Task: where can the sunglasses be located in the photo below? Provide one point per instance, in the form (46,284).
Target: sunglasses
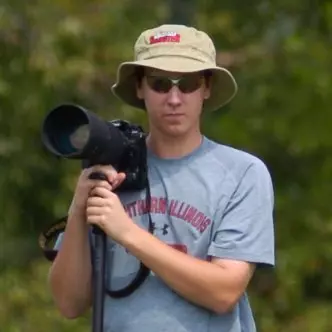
(186,83)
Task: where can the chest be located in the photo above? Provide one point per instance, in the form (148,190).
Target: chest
(184,207)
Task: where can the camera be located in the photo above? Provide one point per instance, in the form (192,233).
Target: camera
(70,131)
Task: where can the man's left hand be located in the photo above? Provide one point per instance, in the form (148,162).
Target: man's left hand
(104,209)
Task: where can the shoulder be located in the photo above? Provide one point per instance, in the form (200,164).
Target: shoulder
(235,163)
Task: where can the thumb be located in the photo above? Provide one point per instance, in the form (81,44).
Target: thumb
(120,177)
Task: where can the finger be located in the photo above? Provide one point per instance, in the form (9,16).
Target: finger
(95,201)
(101,192)
(108,171)
(92,211)
(86,173)
(121,177)
(118,181)
(100,183)
(95,220)
(111,176)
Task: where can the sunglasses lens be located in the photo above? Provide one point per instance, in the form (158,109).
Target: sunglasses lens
(159,84)
(186,84)
(190,83)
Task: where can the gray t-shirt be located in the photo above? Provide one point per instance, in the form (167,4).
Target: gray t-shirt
(218,201)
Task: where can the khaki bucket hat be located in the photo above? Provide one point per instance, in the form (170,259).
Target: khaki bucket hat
(175,48)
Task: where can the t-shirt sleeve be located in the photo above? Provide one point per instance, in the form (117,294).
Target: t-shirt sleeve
(246,229)
(58,242)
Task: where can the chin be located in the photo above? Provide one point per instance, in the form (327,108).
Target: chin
(175,131)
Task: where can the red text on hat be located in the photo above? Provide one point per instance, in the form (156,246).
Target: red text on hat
(165,37)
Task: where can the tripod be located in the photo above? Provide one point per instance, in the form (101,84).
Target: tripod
(99,262)
(98,280)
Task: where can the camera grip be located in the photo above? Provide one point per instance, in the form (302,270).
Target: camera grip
(98,176)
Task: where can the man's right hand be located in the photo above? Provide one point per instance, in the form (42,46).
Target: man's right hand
(85,185)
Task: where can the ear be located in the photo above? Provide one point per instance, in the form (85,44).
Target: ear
(139,90)
(207,92)
(207,87)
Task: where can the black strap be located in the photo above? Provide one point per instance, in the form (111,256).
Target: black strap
(50,233)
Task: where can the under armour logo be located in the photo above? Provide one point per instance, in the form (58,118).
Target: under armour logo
(163,230)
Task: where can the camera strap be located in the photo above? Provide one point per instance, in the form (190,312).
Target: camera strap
(49,234)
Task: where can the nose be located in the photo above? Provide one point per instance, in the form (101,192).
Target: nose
(174,97)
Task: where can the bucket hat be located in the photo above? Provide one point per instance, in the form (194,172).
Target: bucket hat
(175,48)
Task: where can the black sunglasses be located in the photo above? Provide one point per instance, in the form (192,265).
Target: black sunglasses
(186,83)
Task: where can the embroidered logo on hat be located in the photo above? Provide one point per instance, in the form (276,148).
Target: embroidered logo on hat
(165,37)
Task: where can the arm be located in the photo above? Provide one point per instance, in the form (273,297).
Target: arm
(70,274)
(244,238)
(215,285)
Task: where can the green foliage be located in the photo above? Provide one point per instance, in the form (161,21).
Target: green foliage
(279,52)
(28,305)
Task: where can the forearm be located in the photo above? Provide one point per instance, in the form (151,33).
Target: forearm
(70,275)
(201,282)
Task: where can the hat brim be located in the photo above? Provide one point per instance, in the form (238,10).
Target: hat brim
(223,87)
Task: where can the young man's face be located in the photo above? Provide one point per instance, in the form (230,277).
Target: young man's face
(173,110)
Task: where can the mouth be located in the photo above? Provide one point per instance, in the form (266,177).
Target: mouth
(171,115)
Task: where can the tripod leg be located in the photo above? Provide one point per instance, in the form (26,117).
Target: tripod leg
(99,281)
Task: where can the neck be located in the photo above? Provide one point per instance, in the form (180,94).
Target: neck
(173,147)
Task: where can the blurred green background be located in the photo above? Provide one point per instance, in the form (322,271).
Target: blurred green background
(280,53)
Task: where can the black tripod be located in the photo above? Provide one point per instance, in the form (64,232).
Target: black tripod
(99,261)
(98,280)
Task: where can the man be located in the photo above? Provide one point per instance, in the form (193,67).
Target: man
(211,205)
